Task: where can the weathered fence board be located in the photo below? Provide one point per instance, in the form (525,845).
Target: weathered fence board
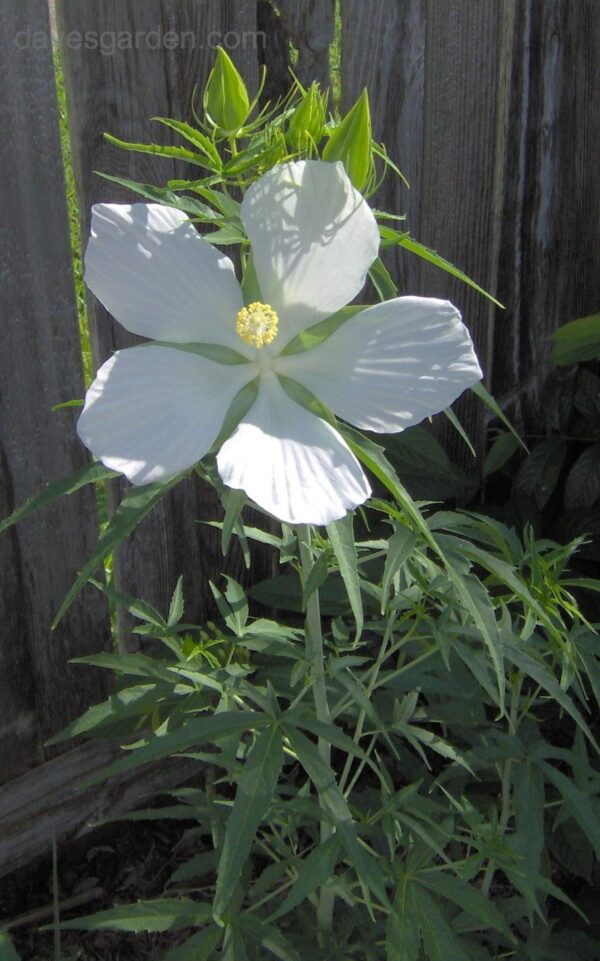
(438,80)
(119,91)
(485,107)
(50,802)
(550,253)
(40,366)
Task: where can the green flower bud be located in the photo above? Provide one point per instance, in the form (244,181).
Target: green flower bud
(308,119)
(351,142)
(226,101)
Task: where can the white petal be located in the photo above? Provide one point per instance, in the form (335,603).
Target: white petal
(391,365)
(291,463)
(313,240)
(156,275)
(154,411)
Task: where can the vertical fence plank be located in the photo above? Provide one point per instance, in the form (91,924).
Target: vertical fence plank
(550,255)
(439,73)
(40,366)
(487,109)
(118,89)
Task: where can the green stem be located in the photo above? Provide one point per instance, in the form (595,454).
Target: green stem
(314,655)
(505,783)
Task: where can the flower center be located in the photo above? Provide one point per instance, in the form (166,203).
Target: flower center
(257,324)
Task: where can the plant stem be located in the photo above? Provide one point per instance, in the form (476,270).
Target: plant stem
(505,783)
(314,655)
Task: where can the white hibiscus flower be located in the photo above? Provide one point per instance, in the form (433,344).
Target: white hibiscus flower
(155,410)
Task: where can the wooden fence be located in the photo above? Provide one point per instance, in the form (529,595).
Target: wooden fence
(487,106)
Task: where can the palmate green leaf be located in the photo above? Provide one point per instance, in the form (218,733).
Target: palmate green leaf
(169,914)
(392,237)
(314,872)
(210,728)
(136,504)
(90,474)
(341,538)
(254,795)
(579,805)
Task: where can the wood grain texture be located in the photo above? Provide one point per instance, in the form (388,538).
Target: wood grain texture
(119,92)
(49,802)
(438,77)
(40,366)
(550,253)
(310,26)
(487,108)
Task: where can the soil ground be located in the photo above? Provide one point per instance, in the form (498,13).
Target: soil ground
(120,863)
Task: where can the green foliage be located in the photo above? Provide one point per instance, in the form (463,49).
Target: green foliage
(555,485)
(350,142)
(577,341)
(458,771)
(234,148)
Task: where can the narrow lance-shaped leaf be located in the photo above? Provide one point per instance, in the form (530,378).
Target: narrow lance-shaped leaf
(144,916)
(136,504)
(403,934)
(578,804)
(392,237)
(373,457)
(254,795)
(196,732)
(90,474)
(314,872)
(341,537)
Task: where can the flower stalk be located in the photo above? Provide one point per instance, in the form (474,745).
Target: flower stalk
(316,659)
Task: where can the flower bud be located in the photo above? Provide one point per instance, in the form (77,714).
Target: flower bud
(226,101)
(351,143)
(308,119)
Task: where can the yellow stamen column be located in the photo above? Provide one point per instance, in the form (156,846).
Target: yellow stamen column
(257,324)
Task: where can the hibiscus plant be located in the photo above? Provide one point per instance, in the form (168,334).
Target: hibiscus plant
(382,770)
